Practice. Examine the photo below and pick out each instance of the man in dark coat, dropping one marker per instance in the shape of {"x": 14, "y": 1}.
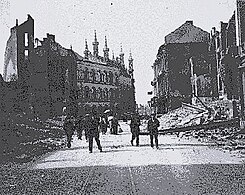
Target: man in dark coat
{"x": 82, "y": 126}
{"x": 114, "y": 125}
{"x": 135, "y": 128}
{"x": 69, "y": 128}
{"x": 79, "y": 127}
{"x": 103, "y": 125}
{"x": 92, "y": 125}
{"x": 152, "y": 126}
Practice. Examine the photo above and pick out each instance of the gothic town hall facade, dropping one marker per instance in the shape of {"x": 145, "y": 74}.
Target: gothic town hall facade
{"x": 105, "y": 83}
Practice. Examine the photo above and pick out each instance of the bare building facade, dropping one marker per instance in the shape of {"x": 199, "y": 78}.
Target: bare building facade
{"x": 19, "y": 51}
{"x": 224, "y": 45}
{"x": 172, "y": 83}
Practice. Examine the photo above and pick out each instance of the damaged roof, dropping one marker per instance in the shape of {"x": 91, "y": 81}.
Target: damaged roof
{"x": 187, "y": 33}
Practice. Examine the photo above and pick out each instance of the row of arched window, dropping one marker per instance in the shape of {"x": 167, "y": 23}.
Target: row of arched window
{"x": 98, "y": 94}
{"x": 97, "y": 76}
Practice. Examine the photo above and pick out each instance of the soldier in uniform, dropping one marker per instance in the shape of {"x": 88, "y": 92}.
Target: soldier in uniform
{"x": 79, "y": 127}
{"x": 69, "y": 128}
{"x": 135, "y": 129}
{"x": 152, "y": 126}
{"x": 114, "y": 125}
{"x": 103, "y": 125}
{"x": 92, "y": 123}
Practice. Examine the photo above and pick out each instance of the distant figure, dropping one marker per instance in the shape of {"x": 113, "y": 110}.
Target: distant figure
{"x": 114, "y": 125}
{"x": 69, "y": 128}
{"x": 103, "y": 125}
{"x": 152, "y": 126}
{"x": 86, "y": 121}
{"x": 93, "y": 131}
{"x": 135, "y": 128}
{"x": 79, "y": 127}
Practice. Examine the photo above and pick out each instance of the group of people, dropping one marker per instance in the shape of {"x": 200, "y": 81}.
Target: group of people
{"x": 152, "y": 126}
{"x": 92, "y": 125}
{"x": 89, "y": 124}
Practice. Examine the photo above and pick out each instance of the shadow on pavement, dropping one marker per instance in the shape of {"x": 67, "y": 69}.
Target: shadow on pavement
{"x": 118, "y": 150}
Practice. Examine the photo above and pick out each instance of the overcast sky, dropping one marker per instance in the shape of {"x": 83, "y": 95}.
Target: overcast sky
{"x": 139, "y": 25}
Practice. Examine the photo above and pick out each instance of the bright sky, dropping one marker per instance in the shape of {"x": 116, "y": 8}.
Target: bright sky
{"x": 139, "y": 25}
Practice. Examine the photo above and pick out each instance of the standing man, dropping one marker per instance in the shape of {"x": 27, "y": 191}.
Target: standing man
{"x": 86, "y": 125}
{"x": 93, "y": 131}
{"x": 103, "y": 125}
{"x": 114, "y": 125}
{"x": 79, "y": 126}
{"x": 135, "y": 128}
{"x": 152, "y": 126}
{"x": 69, "y": 128}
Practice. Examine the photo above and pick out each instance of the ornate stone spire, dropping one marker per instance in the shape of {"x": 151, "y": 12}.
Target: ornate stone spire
{"x": 130, "y": 64}
{"x": 106, "y": 51}
{"x": 95, "y": 45}
{"x": 86, "y": 51}
{"x": 121, "y": 56}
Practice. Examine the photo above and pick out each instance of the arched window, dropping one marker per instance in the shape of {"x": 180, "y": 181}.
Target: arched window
{"x": 82, "y": 74}
{"x": 97, "y": 76}
{"x": 99, "y": 93}
{"x": 102, "y": 94}
{"x": 93, "y": 94}
{"x": 86, "y": 75}
{"x": 86, "y": 93}
{"x": 106, "y": 94}
{"x": 110, "y": 78}
{"x": 92, "y": 75}
{"x": 105, "y": 77}
{"x": 110, "y": 94}
{"x": 101, "y": 77}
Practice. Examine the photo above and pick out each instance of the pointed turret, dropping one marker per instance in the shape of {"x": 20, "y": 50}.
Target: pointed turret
{"x": 95, "y": 45}
{"x": 121, "y": 56}
{"x": 86, "y": 51}
{"x": 130, "y": 65}
{"x": 113, "y": 56}
{"x": 106, "y": 51}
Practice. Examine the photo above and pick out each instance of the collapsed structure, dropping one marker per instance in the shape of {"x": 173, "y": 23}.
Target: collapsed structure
{"x": 193, "y": 65}
{"x": 50, "y": 77}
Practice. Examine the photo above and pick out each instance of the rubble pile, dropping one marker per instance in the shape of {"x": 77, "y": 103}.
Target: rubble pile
{"x": 228, "y": 137}
{"x": 231, "y": 138}
{"x": 181, "y": 117}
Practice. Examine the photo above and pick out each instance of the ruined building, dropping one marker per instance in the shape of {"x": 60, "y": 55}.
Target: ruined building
{"x": 19, "y": 51}
{"x": 241, "y": 52}
{"x": 172, "y": 75}
{"x": 53, "y": 79}
{"x": 18, "y": 62}
{"x": 224, "y": 45}
{"x": 50, "y": 77}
